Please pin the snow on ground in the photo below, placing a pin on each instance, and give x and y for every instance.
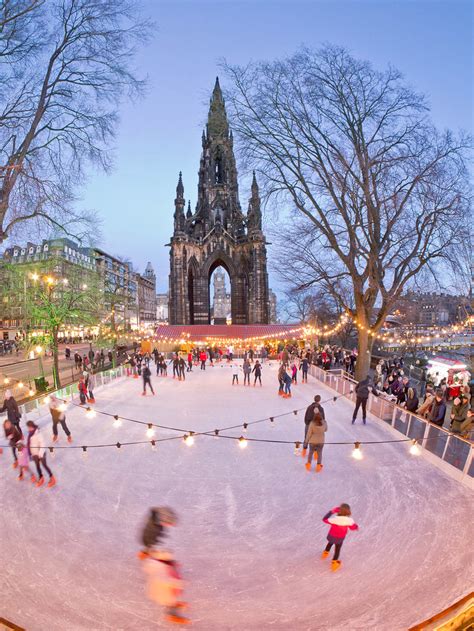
(250, 534)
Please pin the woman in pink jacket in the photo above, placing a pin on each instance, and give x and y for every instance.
(340, 520)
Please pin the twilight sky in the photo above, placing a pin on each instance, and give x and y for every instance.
(429, 41)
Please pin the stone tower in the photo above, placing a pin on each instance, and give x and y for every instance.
(217, 234)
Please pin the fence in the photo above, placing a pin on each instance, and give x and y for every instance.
(35, 407)
(449, 452)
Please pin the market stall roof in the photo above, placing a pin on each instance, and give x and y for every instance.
(230, 332)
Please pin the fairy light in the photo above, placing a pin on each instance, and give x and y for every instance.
(118, 445)
(150, 432)
(31, 392)
(117, 421)
(415, 448)
(47, 400)
(153, 445)
(90, 413)
(20, 384)
(297, 448)
(84, 452)
(189, 439)
(243, 442)
(357, 452)
(245, 425)
(6, 381)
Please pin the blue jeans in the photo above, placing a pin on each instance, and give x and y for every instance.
(319, 451)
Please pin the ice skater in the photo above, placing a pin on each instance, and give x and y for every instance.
(257, 369)
(82, 387)
(10, 406)
(235, 374)
(13, 435)
(23, 461)
(304, 370)
(59, 417)
(294, 374)
(247, 368)
(146, 376)
(90, 382)
(340, 520)
(287, 384)
(315, 440)
(362, 395)
(37, 451)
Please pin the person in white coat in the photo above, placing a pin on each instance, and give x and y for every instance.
(164, 583)
(37, 451)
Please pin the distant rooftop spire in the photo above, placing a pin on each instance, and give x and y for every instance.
(180, 187)
(217, 124)
(189, 213)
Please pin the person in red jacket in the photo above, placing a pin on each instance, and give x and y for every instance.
(203, 359)
(340, 520)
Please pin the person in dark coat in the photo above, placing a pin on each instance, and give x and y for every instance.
(10, 406)
(438, 410)
(362, 394)
(155, 527)
(412, 402)
(13, 435)
(309, 416)
(146, 375)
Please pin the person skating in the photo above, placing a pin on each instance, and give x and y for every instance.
(190, 362)
(309, 416)
(181, 369)
(146, 375)
(165, 584)
(294, 374)
(203, 359)
(91, 386)
(257, 369)
(287, 384)
(315, 440)
(82, 387)
(10, 406)
(281, 381)
(340, 520)
(304, 370)
(37, 451)
(13, 435)
(59, 417)
(235, 374)
(23, 461)
(175, 367)
(362, 395)
(247, 368)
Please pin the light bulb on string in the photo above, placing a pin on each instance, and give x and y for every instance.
(21, 384)
(84, 452)
(51, 451)
(150, 432)
(118, 445)
(245, 426)
(216, 433)
(153, 445)
(415, 448)
(357, 452)
(243, 442)
(117, 421)
(189, 439)
(90, 413)
(6, 381)
(47, 400)
(31, 392)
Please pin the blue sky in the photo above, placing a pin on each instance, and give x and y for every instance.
(430, 42)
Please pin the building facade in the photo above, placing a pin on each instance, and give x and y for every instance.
(162, 308)
(218, 234)
(221, 305)
(430, 308)
(146, 296)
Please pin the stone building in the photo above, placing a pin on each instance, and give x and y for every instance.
(217, 234)
(430, 308)
(221, 307)
(162, 308)
(146, 296)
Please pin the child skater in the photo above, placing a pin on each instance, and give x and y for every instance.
(235, 374)
(23, 460)
(340, 520)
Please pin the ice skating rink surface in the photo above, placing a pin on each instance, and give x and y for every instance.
(250, 534)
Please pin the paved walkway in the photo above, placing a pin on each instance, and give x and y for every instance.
(250, 533)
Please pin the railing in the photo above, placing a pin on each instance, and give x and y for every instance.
(452, 453)
(35, 407)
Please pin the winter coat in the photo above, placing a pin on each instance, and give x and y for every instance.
(35, 443)
(412, 404)
(164, 583)
(459, 412)
(247, 368)
(13, 435)
(146, 373)
(23, 458)
(362, 389)
(57, 415)
(437, 412)
(202, 356)
(315, 433)
(10, 406)
(81, 386)
(310, 410)
(340, 524)
(257, 369)
(91, 382)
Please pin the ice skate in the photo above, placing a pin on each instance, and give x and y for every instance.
(177, 618)
(52, 482)
(325, 554)
(33, 478)
(319, 467)
(335, 565)
(20, 477)
(15, 464)
(143, 394)
(303, 452)
(40, 482)
(308, 466)
(69, 439)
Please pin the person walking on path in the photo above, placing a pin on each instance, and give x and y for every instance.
(13, 435)
(362, 394)
(37, 451)
(340, 520)
(146, 375)
(309, 416)
(315, 440)
(247, 368)
(59, 417)
(257, 369)
(10, 406)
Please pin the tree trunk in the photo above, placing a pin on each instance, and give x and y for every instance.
(56, 379)
(364, 348)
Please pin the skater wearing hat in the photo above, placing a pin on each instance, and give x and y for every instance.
(340, 520)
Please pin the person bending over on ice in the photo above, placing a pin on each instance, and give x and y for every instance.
(340, 520)
(37, 451)
(146, 374)
(315, 439)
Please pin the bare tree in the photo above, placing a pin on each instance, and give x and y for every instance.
(66, 66)
(376, 193)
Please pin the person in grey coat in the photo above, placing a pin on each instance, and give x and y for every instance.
(315, 440)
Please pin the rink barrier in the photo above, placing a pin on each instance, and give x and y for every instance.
(36, 407)
(6, 625)
(449, 452)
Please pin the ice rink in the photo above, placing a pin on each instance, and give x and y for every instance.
(250, 534)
